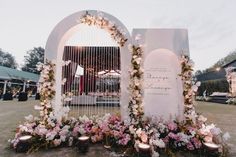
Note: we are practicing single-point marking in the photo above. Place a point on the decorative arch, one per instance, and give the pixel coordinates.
(62, 33)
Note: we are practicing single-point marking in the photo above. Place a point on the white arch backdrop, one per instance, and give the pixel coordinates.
(55, 47)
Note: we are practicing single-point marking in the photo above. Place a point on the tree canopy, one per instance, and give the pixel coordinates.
(7, 60)
(32, 58)
(227, 59)
(221, 62)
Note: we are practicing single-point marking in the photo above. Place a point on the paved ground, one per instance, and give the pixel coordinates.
(12, 113)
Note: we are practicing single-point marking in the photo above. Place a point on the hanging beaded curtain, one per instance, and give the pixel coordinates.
(93, 78)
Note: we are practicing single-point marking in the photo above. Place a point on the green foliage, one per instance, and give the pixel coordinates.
(229, 58)
(7, 60)
(225, 60)
(213, 86)
(32, 58)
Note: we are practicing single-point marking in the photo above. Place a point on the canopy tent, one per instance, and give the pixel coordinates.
(10, 74)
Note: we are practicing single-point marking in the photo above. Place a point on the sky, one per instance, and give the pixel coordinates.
(211, 24)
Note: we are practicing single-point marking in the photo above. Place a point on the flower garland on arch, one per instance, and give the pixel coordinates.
(104, 23)
(189, 89)
(135, 106)
(47, 90)
(47, 93)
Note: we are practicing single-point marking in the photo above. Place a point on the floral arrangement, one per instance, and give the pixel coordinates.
(229, 76)
(104, 23)
(136, 112)
(189, 89)
(46, 88)
(169, 137)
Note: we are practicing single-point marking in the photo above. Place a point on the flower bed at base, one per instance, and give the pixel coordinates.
(165, 137)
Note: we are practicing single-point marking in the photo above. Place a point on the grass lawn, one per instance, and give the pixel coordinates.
(12, 114)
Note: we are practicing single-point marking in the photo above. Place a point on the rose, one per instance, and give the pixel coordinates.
(144, 137)
(208, 138)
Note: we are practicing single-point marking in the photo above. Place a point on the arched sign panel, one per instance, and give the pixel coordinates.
(162, 85)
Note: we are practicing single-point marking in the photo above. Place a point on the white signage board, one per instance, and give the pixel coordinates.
(163, 88)
(162, 85)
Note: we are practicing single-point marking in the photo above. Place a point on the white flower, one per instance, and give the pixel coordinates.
(63, 81)
(41, 113)
(67, 62)
(36, 107)
(194, 88)
(198, 83)
(138, 60)
(29, 118)
(68, 99)
(216, 131)
(206, 129)
(226, 136)
(155, 154)
(201, 118)
(23, 128)
(138, 132)
(137, 81)
(51, 123)
(131, 129)
(50, 136)
(159, 143)
(84, 119)
(41, 130)
(63, 138)
(183, 137)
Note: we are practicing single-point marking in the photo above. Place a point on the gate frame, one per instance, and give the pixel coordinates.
(54, 49)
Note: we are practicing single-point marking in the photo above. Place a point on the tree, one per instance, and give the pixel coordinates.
(7, 60)
(221, 62)
(227, 59)
(32, 58)
(198, 72)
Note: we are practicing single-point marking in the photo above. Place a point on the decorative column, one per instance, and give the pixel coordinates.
(24, 86)
(5, 87)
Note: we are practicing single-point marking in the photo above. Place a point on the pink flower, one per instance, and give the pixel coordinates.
(75, 131)
(166, 139)
(56, 142)
(117, 133)
(144, 137)
(125, 139)
(173, 136)
(190, 146)
(172, 126)
(208, 138)
(196, 143)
